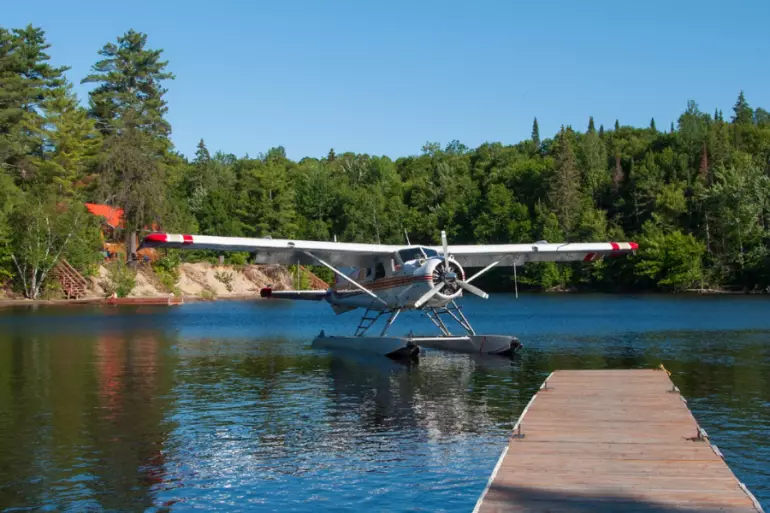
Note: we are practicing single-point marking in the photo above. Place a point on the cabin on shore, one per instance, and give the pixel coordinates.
(113, 238)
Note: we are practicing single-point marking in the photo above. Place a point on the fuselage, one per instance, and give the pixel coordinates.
(399, 281)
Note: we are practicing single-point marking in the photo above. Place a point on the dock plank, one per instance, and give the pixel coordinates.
(611, 440)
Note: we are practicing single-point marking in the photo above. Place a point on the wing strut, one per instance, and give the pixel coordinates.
(345, 277)
(487, 268)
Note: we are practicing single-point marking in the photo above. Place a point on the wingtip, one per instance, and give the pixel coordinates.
(634, 246)
(154, 239)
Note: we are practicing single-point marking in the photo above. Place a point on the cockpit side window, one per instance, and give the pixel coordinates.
(379, 271)
(430, 252)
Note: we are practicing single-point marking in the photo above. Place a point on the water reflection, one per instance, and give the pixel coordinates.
(130, 410)
(83, 420)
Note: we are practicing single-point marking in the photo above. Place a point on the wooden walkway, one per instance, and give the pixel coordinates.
(615, 440)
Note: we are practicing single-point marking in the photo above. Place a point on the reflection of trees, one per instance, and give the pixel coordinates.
(87, 417)
(135, 378)
(82, 418)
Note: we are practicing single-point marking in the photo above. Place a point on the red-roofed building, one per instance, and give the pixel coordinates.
(113, 217)
(112, 220)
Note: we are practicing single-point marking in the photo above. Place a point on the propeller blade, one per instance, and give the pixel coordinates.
(426, 297)
(472, 289)
(445, 245)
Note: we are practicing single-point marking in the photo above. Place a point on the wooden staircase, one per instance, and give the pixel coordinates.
(72, 282)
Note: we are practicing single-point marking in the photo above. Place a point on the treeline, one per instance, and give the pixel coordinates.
(696, 196)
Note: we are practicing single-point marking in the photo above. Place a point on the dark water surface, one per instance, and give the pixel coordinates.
(225, 406)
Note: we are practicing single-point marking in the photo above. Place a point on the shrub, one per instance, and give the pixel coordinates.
(207, 295)
(225, 278)
(121, 279)
(167, 271)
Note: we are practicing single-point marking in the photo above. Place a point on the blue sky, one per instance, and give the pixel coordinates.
(385, 77)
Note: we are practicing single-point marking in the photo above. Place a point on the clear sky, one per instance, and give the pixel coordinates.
(385, 77)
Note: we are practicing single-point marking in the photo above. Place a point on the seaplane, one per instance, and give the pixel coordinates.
(386, 280)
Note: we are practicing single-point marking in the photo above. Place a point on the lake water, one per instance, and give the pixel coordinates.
(225, 406)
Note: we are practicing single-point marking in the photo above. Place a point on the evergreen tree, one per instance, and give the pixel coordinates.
(129, 106)
(202, 155)
(743, 113)
(535, 134)
(73, 140)
(762, 118)
(617, 125)
(617, 175)
(130, 94)
(652, 126)
(601, 131)
(27, 83)
(591, 128)
(564, 194)
(703, 169)
(594, 164)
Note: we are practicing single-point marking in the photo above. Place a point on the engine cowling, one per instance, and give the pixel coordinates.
(439, 274)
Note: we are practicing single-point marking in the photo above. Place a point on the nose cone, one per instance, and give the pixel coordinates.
(431, 265)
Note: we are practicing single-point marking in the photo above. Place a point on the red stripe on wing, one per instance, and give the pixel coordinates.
(158, 238)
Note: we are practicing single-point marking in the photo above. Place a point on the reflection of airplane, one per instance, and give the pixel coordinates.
(389, 279)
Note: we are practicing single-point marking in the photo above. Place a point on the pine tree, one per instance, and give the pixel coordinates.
(672, 127)
(130, 92)
(617, 125)
(652, 125)
(27, 82)
(591, 128)
(743, 113)
(535, 134)
(564, 192)
(703, 169)
(331, 156)
(128, 105)
(73, 142)
(595, 164)
(601, 131)
(202, 155)
(617, 176)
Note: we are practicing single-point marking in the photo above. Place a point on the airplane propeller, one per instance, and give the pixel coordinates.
(448, 278)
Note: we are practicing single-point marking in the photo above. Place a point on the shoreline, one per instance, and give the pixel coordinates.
(127, 301)
(162, 300)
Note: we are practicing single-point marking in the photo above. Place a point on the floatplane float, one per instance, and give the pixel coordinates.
(386, 280)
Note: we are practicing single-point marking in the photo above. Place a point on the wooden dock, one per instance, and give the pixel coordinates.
(611, 440)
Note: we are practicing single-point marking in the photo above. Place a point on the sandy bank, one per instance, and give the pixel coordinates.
(197, 281)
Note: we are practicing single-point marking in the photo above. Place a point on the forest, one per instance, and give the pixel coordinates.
(695, 195)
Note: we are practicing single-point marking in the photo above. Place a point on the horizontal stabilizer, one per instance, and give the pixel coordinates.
(306, 295)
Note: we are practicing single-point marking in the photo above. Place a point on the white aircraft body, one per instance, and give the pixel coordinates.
(389, 279)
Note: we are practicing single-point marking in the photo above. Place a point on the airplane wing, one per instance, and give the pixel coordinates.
(279, 251)
(508, 254)
(288, 252)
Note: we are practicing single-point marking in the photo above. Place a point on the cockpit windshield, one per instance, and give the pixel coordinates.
(409, 254)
